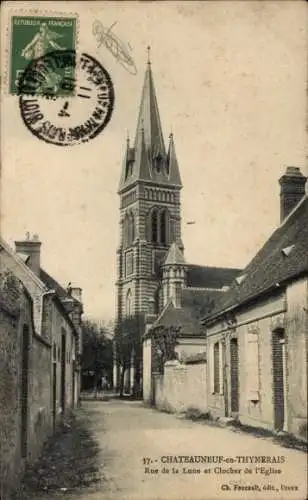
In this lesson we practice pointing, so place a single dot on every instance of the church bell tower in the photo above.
(150, 221)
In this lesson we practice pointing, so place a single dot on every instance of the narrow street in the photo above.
(132, 445)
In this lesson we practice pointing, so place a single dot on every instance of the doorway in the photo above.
(279, 382)
(234, 375)
(63, 371)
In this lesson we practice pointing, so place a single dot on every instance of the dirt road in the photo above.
(135, 454)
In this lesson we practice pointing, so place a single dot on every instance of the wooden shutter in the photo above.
(252, 365)
(221, 368)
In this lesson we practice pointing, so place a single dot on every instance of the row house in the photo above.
(40, 348)
(257, 334)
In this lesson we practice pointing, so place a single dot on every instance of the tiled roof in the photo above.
(210, 277)
(283, 257)
(200, 300)
(183, 317)
(196, 303)
(52, 284)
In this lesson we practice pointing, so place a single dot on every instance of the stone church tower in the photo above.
(150, 221)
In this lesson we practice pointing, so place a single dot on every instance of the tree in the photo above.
(128, 345)
(165, 340)
(97, 355)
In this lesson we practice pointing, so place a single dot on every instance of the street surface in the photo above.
(134, 444)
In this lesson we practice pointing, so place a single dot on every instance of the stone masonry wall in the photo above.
(9, 398)
(25, 391)
(182, 387)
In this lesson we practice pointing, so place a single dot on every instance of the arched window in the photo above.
(154, 226)
(128, 303)
(159, 226)
(164, 227)
(129, 229)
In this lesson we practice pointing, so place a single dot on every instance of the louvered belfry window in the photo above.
(154, 226)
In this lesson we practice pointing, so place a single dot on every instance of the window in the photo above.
(166, 292)
(129, 229)
(128, 303)
(154, 226)
(158, 163)
(54, 352)
(178, 294)
(129, 263)
(159, 226)
(163, 227)
(158, 257)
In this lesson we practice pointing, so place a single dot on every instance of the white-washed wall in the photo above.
(146, 379)
(182, 386)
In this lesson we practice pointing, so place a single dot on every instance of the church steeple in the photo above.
(149, 118)
(150, 216)
(148, 160)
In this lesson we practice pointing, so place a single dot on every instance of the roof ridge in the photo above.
(169, 303)
(216, 267)
(270, 266)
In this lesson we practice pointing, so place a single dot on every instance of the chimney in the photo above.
(31, 248)
(76, 293)
(292, 189)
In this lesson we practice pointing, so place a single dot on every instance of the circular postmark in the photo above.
(65, 100)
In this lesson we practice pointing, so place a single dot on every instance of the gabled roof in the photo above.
(19, 261)
(275, 263)
(183, 317)
(210, 277)
(202, 301)
(44, 281)
(195, 303)
(174, 256)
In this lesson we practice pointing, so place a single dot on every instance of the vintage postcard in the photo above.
(154, 250)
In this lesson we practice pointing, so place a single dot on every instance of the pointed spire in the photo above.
(149, 54)
(174, 256)
(142, 169)
(147, 160)
(172, 162)
(149, 115)
(124, 164)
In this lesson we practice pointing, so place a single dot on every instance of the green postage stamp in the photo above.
(33, 37)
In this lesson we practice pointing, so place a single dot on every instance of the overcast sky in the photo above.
(230, 81)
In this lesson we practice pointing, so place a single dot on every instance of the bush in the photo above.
(196, 414)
